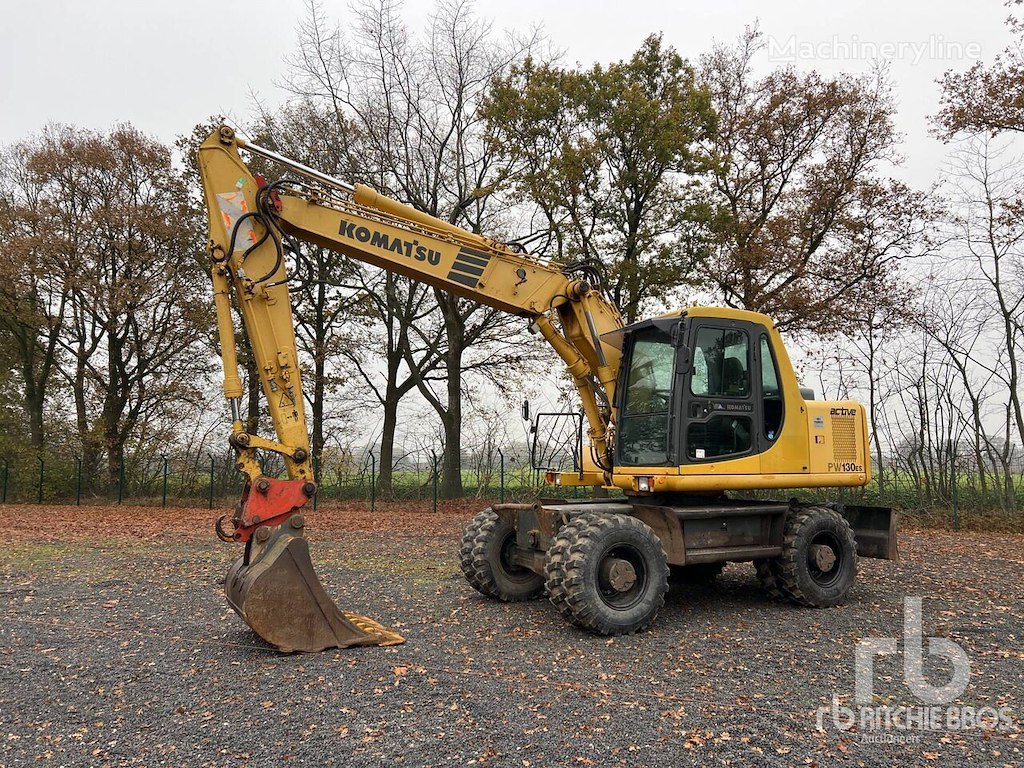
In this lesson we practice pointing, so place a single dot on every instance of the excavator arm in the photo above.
(273, 585)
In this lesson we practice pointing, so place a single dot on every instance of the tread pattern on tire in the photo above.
(784, 567)
(477, 566)
(466, 551)
(567, 586)
(554, 566)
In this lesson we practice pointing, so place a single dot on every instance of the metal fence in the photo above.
(211, 479)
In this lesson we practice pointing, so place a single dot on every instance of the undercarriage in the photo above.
(606, 564)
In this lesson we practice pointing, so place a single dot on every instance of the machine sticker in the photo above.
(740, 407)
(232, 208)
(819, 422)
(845, 466)
(411, 249)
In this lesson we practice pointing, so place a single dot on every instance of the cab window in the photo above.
(721, 364)
(644, 423)
(650, 377)
(720, 370)
(771, 392)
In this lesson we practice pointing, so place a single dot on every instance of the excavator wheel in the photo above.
(466, 552)
(484, 558)
(611, 573)
(275, 590)
(818, 564)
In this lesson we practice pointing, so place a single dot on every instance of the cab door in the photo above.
(720, 393)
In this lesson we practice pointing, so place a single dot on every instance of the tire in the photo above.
(700, 573)
(766, 576)
(818, 564)
(615, 574)
(554, 566)
(483, 557)
(469, 535)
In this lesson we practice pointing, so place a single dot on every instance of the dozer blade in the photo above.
(277, 593)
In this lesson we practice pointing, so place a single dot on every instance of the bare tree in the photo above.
(391, 306)
(990, 231)
(352, 319)
(323, 303)
(413, 103)
(955, 316)
(893, 225)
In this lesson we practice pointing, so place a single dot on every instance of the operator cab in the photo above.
(696, 389)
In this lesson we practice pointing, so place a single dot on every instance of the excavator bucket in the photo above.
(275, 590)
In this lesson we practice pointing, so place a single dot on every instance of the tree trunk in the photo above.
(112, 408)
(873, 410)
(451, 475)
(451, 417)
(34, 401)
(37, 356)
(90, 448)
(385, 468)
(320, 329)
(115, 457)
(319, 395)
(393, 394)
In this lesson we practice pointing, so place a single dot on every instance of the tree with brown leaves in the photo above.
(987, 98)
(807, 229)
(135, 308)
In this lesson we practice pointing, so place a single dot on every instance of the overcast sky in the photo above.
(165, 66)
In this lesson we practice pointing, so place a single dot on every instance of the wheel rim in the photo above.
(622, 577)
(512, 572)
(826, 559)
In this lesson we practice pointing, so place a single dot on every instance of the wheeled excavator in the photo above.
(685, 413)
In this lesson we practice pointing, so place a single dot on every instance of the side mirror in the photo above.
(526, 410)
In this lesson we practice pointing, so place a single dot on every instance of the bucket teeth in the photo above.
(371, 627)
(280, 597)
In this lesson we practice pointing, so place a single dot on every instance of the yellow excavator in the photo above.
(684, 412)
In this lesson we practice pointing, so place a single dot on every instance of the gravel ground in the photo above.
(117, 648)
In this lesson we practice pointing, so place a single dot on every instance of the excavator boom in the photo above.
(273, 586)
